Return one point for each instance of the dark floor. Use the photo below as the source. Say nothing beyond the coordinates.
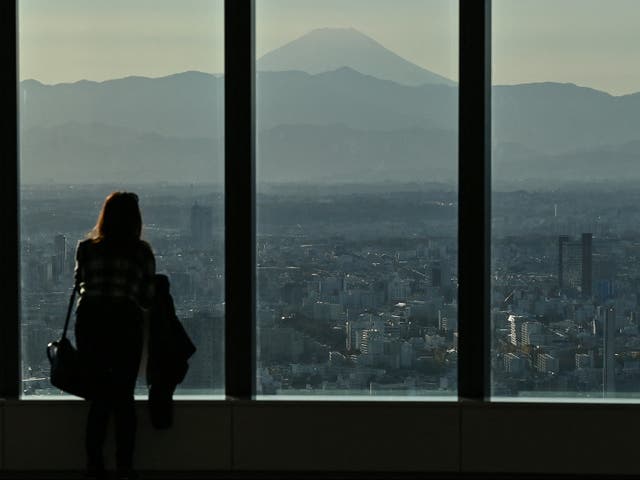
(317, 476)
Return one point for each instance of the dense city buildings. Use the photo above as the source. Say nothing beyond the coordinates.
(357, 288)
(183, 227)
(565, 293)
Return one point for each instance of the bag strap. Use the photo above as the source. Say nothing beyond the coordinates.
(69, 308)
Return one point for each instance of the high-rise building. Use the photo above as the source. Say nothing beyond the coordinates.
(575, 264)
(531, 333)
(547, 363)
(515, 322)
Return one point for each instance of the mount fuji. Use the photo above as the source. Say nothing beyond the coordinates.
(327, 49)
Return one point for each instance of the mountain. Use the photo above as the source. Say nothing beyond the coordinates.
(351, 98)
(338, 126)
(188, 104)
(561, 117)
(551, 118)
(328, 49)
(191, 105)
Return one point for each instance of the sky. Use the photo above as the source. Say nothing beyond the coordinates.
(592, 43)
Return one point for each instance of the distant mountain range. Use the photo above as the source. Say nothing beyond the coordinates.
(355, 123)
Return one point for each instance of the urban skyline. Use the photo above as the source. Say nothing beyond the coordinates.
(365, 304)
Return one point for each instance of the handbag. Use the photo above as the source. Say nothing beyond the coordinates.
(69, 372)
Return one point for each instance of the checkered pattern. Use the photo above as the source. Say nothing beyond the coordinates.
(105, 270)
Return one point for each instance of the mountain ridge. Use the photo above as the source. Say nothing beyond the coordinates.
(216, 76)
(559, 116)
(337, 125)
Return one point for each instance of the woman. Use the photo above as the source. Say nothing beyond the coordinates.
(115, 278)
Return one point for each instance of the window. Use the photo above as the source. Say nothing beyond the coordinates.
(563, 315)
(119, 96)
(565, 165)
(356, 160)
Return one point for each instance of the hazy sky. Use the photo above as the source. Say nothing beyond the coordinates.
(589, 42)
(594, 43)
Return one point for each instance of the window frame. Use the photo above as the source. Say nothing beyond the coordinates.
(474, 201)
(9, 213)
(474, 195)
(239, 192)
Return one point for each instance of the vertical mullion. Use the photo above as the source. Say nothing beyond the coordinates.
(240, 296)
(474, 214)
(9, 217)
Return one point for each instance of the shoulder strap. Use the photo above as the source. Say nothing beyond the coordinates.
(69, 308)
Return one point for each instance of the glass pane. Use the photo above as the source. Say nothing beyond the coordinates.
(123, 95)
(357, 198)
(565, 200)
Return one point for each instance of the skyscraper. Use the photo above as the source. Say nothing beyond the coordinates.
(575, 259)
(515, 325)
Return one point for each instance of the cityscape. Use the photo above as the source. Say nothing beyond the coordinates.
(565, 293)
(357, 287)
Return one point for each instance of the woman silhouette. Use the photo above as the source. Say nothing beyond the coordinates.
(115, 277)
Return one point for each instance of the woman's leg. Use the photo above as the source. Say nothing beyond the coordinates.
(126, 373)
(89, 346)
(96, 432)
(125, 416)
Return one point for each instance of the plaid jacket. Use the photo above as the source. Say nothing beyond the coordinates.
(103, 270)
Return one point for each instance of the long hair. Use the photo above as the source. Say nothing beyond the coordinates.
(119, 220)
